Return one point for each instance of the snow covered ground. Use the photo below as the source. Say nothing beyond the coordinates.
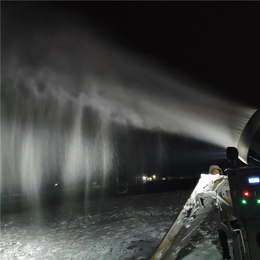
(118, 228)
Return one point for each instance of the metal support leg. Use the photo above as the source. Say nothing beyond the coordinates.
(238, 242)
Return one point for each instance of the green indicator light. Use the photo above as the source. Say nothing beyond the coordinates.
(258, 201)
(244, 201)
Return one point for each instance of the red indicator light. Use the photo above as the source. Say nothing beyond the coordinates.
(246, 193)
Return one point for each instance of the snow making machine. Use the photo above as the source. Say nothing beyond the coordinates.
(237, 192)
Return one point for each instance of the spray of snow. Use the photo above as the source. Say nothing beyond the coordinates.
(52, 76)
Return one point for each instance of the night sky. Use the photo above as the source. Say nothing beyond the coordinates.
(215, 43)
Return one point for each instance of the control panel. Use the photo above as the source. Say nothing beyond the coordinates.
(245, 191)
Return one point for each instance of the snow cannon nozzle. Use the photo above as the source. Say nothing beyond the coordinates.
(249, 142)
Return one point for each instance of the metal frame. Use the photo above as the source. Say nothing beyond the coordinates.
(239, 236)
(193, 213)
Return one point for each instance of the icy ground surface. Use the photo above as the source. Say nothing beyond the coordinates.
(117, 228)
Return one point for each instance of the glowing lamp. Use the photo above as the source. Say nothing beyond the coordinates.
(258, 201)
(244, 202)
(246, 193)
(253, 180)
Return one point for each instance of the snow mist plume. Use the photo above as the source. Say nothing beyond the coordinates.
(62, 86)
